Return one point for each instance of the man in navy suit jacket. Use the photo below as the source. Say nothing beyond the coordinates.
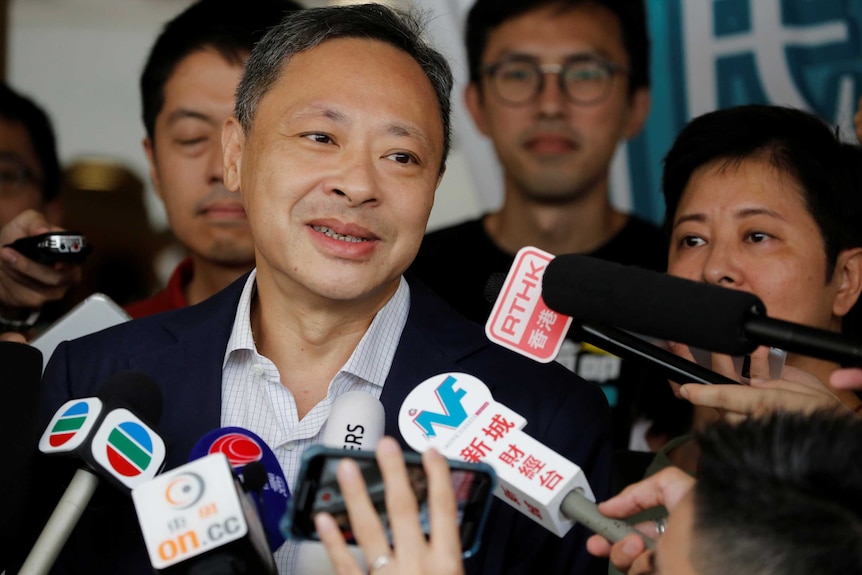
(337, 176)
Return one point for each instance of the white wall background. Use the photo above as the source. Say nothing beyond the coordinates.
(81, 60)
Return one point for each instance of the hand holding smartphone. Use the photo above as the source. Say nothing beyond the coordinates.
(390, 499)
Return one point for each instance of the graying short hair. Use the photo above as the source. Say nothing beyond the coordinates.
(306, 29)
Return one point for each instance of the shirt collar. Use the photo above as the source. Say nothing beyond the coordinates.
(372, 357)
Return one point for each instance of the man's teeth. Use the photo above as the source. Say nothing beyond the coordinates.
(331, 234)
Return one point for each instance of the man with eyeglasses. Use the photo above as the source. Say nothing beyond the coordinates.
(557, 86)
(29, 205)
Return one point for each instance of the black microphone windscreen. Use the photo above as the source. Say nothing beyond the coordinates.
(254, 477)
(650, 303)
(493, 286)
(19, 398)
(22, 376)
(135, 391)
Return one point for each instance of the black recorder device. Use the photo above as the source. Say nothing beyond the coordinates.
(53, 247)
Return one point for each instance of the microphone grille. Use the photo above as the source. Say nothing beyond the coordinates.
(254, 476)
(493, 286)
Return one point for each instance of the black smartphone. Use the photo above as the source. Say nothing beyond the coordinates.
(317, 490)
(52, 247)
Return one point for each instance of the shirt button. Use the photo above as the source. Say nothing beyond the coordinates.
(257, 369)
(290, 446)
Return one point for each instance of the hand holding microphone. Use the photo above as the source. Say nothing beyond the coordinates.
(667, 487)
(455, 413)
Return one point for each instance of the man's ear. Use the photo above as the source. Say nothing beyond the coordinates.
(848, 269)
(232, 140)
(638, 112)
(476, 106)
(149, 150)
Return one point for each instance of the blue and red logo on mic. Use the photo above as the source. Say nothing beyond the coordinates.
(239, 449)
(69, 423)
(129, 449)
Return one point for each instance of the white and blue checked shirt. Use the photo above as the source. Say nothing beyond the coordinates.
(254, 398)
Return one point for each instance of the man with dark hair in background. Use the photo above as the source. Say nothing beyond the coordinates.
(775, 496)
(29, 205)
(187, 92)
(556, 85)
(337, 178)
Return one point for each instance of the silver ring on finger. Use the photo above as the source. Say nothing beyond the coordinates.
(380, 562)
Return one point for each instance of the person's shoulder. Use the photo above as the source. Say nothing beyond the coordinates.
(453, 239)
(152, 330)
(641, 227)
(520, 375)
(467, 228)
(639, 243)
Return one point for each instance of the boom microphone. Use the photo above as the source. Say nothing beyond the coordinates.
(534, 479)
(114, 444)
(22, 375)
(667, 307)
(629, 346)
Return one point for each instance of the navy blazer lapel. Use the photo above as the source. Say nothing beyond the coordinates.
(193, 358)
(434, 340)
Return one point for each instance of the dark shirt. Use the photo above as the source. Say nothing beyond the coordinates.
(457, 262)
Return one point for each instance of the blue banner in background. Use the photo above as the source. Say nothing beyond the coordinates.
(709, 54)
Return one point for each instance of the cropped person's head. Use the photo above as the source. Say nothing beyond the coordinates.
(766, 199)
(29, 166)
(557, 86)
(487, 15)
(187, 92)
(338, 144)
(216, 25)
(778, 496)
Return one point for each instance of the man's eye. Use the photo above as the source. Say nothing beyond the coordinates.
(191, 141)
(757, 237)
(517, 74)
(320, 138)
(403, 158)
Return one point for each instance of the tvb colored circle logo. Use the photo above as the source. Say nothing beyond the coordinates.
(130, 449)
(70, 422)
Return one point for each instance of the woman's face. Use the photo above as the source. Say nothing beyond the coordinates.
(746, 226)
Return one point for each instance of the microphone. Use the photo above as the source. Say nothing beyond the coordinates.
(248, 453)
(196, 519)
(356, 422)
(456, 414)
(667, 307)
(22, 376)
(114, 444)
(623, 344)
